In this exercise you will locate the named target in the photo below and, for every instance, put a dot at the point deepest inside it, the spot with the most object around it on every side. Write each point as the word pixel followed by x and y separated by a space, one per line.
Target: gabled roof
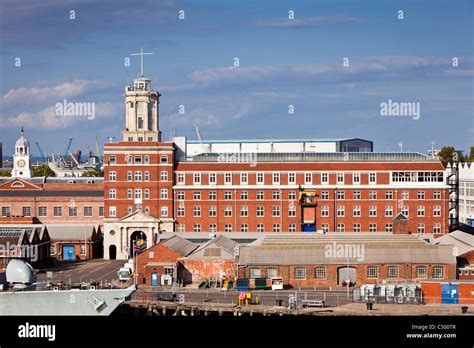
pixel 220 241
pixel 462 242
pixel 400 216
pixel 72 232
pixel 139 216
pixel 19 184
pixel 180 245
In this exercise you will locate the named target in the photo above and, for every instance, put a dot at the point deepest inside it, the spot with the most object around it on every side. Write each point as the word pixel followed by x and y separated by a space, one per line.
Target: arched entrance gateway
pixel 137 242
pixel 112 252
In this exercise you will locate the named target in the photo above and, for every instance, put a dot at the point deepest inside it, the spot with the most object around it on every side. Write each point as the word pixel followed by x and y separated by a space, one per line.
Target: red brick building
pixel 448 292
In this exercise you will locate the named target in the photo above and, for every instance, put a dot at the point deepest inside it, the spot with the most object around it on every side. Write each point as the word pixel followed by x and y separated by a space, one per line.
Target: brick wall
pixel 195 270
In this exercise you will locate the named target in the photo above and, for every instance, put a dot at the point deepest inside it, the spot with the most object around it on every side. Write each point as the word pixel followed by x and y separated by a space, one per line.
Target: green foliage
pixel 93 173
pixel 5 173
pixel 43 170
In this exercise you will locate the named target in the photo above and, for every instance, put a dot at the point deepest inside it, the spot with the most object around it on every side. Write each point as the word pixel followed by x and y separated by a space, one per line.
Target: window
pixel 212 211
pixel 138 176
pixel 372 272
pixel 324 211
pixel 308 178
pixel 260 228
pixel 389 228
pixel 420 210
pixel 42 211
pixel 128 159
pixel 112 211
pixel 325 228
pixel 340 178
pixel 180 178
pixel 255 272
pixel 212 178
pixel 340 228
pixel 112 194
pixel 276 210
pixel 147 194
pixel 291 178
pixel 388 195
pixel 356 227
pixel 112 176
pixel 392 272
pixel 388 210
pixel 181 227
pixel 212 228
pixel 276 228
pixel 244 195
pixel 147 176
pixel 437 210
pixel 5 211
pixel 147 210
pixel 260 195
pixel 197 178
pixel 82 249
pixel 300 273
pixel 324 195
pixel 197 196
pixel 292 228
pixel 26 211
pixel 163 176
pixel 88 211
pixel 129 176
pixel 163 194
pixel 372 227
pixel 292 195
pixel 138 193
pixel 244 178
pixel 340 211
pixel 356 195
pixel 228 211
pixel 163 159
pixel 146 159
pixel 138 159
pixel 320 272
pixel 405 195
pixel 437 195
pixel 421 272
pixel 197 228
pixel 340 195
pixel 372 178
pixel 406 210
pixel 112 160
pixel 438 272
pixel 324 178
pixel 420 228
pixel 212 195
pixel 437 228
pixel 276 195
pixel 244 228
pixel 228 195
pixel 272 272
pixel 276 178
pixel 57 211
pixel 129 210
pixel 228 228
pixel 244 211
pixel 356 211
pixel 421 195
pixel 180 211
pixel 356 178
pixel 260 178
pixel 164 211
pixel 101 211
pixel 291 211
pixel 197 211
pixel 372 195
pixel 372 210
pixel 228 178
pixel 180 195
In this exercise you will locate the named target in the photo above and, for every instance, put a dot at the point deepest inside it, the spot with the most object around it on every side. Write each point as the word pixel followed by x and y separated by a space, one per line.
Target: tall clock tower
pixel 21 158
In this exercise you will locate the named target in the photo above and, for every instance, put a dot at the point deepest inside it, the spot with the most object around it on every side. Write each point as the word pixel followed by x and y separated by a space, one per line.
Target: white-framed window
pixel 228 178
pixel 101 211
pixel 373 195
pixel 129 209
pixel 260 178
pixel 138 159
pixel 180 195
pixel 164 211
pixel 372 178
pixel 57 211
pixel 112 176
pixel 356 227
pixel 197 178
pixel 405 195
pixel 244 195
pixel 372 227
pixel 163 176
pixel 276 210
pixel 42 211
pixel 244 211
pixel 26 211
pixel 392 272
pixel 388 210
pixel 180 211
pixel 300 273
pixel 146 159
pixel 72 211
pixel 212 178
pixel 212 228
pixel 340 178
pixel 260 228
pixel 181 227
pixel 244 178
pixel 437 195
pixel 138 193
pixel 112 194
pixel 372 210
pixel 163 159
pixel 260 211
pixel 272 272
pixel 437 210
pixel 356 178
pixel 388 227
pixel 438 272
pixel 255 272
pixel 112 160
pixel 356 212
pixel 197 228
pixel 406 211
pixel 197 211
pixel 260 196
pixel 276 178
pixel 324 178
pixel 212 211
pixel 320 272
pixel 420 195
pixel 138 176
pixel 291 178
pixel 228 211
pixel 292 195
pixel 146 176
pixel 276 228
pixel 308 178
pixel 420 210
pixel 147 193
pixel 420 228
pixel 244 228
pixel 356 195
pixel 324 195
pixel 129 159
pixel 129 176
pixel 197 196
pixel 228 228
pixel 421 272
pixel 112 211
pixel 292 211
pixel 180 178
pixel 324 211
pixel 164 193
pixel 325 228
pixel 437 228
pixel 388 195
pixel 276 195
pixel 340 228
pixel 340 195
pixel 212 195
pixel 228 195
pixel 340 211
pixel 372 272
pixel 292 228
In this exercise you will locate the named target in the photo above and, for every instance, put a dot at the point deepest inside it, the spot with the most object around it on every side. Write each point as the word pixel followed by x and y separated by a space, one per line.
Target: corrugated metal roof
pixel 180 245
pixel 71 232
pixel 222 242
pixel 461 242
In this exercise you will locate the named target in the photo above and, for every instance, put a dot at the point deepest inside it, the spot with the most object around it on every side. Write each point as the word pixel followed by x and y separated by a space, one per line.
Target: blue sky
pixel 282 62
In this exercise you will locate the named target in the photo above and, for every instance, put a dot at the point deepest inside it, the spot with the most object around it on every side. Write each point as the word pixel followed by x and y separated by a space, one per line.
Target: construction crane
pixel 68 147
pixel 97 149
pixel 41 151
pixel 73 158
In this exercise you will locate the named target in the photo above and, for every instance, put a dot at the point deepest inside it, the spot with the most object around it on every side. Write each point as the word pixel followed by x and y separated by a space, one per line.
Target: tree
pixel 43 170
pixel 93 173
pixel 5 173
pixel 449 154
pixel 471 155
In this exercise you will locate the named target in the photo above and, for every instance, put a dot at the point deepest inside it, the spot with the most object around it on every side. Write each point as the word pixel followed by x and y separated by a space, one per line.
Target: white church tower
pixel 141 109
pixel 21 158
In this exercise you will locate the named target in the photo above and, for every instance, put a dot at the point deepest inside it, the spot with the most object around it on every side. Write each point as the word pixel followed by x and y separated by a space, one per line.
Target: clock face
pixel 20 163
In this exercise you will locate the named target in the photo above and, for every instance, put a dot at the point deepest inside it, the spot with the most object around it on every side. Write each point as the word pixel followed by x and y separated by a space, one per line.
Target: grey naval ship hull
pixel 63 302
